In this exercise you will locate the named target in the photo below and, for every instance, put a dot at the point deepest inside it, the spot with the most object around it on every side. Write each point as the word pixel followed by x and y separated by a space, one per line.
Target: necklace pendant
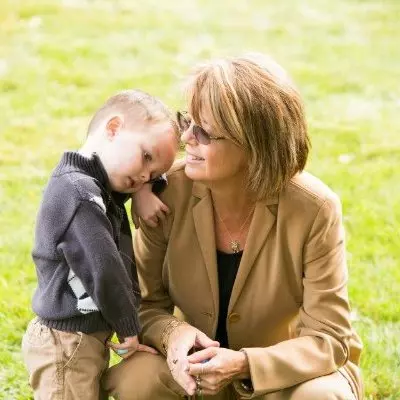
pixel 235 246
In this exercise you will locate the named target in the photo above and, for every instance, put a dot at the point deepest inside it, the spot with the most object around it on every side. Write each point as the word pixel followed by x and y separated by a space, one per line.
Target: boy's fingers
pixel 161 215
pixel 150 222
pixel 121 352
pixel 165 208
pixel 147 349
pixel 126 355
pixel 120 346
pixel 135 220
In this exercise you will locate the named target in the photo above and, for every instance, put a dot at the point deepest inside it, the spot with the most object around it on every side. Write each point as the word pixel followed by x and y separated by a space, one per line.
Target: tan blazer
pixel 289 307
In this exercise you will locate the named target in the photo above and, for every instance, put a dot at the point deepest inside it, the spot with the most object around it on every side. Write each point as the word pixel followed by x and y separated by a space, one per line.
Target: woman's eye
pixel 147 156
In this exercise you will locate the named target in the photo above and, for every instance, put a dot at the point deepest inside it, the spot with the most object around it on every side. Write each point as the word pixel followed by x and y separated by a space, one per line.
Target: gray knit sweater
pixel 83 252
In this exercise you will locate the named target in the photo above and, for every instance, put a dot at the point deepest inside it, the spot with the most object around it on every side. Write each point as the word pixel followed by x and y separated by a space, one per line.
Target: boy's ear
pixel 114 125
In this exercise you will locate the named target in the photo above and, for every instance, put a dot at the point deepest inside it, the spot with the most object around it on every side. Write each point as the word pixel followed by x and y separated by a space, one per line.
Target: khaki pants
pixel 146 377
pixel 64 365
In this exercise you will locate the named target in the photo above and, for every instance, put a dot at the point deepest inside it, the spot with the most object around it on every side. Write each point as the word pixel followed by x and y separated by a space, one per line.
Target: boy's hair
pixel 133 105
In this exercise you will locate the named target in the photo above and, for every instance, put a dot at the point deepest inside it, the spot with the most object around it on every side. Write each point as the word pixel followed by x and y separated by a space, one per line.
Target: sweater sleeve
pixel 92 254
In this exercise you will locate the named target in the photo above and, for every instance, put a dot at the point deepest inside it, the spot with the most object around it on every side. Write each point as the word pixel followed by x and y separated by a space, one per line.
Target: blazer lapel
pixel 203 217
pixel 261 224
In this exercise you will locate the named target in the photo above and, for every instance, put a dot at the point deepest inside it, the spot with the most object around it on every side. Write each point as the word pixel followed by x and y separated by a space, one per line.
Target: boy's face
pixel 134 156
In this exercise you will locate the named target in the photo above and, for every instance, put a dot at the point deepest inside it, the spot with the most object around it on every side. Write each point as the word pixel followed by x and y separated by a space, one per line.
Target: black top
pixel 83 253
pixel 228 265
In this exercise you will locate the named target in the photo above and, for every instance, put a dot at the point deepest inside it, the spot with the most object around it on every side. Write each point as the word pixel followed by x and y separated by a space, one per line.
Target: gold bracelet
pixel 166 333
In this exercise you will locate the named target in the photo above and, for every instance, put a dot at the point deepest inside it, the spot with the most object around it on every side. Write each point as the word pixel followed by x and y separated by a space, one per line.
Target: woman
pixel 251 258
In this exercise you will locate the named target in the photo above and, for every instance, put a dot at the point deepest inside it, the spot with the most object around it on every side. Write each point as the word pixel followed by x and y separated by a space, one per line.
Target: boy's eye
pixel 147 156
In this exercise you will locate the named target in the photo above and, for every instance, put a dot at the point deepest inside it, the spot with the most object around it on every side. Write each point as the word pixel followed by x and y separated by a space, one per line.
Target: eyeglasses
pixel 185 121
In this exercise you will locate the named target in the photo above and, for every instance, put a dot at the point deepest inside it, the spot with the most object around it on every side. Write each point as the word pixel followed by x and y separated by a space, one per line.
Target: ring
pixel 198 385
pixel 120 352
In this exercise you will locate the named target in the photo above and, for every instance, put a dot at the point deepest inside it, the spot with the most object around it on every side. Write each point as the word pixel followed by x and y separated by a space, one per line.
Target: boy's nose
pixel 145 176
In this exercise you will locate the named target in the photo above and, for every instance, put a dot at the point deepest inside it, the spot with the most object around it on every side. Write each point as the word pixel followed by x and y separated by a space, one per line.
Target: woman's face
pixel 218 161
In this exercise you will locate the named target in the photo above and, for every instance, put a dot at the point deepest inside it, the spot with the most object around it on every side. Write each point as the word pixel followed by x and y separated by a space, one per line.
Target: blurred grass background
pixel 60 59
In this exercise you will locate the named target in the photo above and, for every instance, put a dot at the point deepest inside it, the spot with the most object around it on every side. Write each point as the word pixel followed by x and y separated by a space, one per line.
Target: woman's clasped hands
pixel 206 371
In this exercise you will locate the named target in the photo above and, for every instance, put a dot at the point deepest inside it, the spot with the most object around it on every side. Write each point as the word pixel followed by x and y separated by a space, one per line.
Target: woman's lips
pixel 193 159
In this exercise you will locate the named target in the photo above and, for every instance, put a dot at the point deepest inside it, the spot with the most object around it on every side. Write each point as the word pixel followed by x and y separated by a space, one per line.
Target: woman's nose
pixel 187 137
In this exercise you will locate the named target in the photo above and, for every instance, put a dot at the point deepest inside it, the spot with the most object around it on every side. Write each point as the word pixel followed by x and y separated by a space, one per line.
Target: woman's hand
pixel 182 340
pixel 147 206
pixel 217 368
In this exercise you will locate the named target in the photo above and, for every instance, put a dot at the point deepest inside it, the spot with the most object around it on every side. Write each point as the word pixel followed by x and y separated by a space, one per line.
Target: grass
pixel 60 59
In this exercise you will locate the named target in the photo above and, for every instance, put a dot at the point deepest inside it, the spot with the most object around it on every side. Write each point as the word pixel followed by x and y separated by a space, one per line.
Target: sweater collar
pixel 72 160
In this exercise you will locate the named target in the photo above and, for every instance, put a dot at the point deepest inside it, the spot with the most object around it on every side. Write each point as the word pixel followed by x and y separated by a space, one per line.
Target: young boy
pixel 87 281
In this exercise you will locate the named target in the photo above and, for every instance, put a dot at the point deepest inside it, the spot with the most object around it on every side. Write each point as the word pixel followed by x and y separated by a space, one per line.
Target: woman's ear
pixel 113 126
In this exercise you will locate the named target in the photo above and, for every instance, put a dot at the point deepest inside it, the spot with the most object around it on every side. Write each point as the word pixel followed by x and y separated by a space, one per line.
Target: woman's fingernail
pixel 121 351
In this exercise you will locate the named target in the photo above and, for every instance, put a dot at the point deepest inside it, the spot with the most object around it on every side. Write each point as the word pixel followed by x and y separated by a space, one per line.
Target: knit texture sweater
pixel 83 253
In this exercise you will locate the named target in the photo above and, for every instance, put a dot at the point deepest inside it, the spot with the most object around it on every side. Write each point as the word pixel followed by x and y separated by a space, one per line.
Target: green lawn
pixel 60 59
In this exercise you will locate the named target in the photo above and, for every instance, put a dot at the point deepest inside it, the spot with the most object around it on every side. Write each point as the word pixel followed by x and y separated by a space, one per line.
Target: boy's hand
pixel 128 346
pixel 147 206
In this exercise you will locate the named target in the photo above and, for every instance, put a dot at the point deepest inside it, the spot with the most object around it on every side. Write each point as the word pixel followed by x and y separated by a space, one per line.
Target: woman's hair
pixel 252 101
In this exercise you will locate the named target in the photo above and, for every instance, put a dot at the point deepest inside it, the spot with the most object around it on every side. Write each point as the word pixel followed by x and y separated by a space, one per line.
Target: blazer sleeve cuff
pixel 257 374
pixel 242 388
